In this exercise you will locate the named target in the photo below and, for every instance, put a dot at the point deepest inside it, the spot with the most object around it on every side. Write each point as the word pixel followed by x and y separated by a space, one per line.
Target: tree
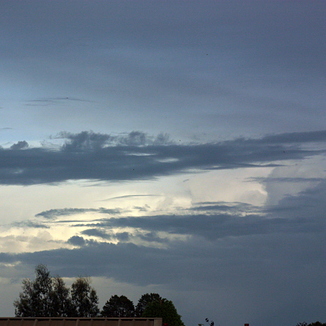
pixel 143 302
pixel 165 309
pixel 35 300
pixel 61 304
pixel 118 306
pixel 23 305
pixel 84 298
pixel 48 296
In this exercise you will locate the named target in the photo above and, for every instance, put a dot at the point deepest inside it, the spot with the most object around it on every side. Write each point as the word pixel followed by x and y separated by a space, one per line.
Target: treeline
pixel 48 296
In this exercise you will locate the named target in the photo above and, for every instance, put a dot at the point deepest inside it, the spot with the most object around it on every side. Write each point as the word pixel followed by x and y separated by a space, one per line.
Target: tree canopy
pixel 118 306
pixel 40 298
pixel 84 298
pixel 48 296
pixel 165 309
pixel 144 301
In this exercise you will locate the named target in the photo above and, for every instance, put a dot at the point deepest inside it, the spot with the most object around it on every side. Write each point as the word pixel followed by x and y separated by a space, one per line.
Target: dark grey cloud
pixel 100 233
pixel 88 155
pixel 215 226
pixel 230 208
pixel 152 237
pixel 97 233
pixel 272 261
pixel 77 240
pixel 303 213
pixel 30 224
pixel 122 236
pixel 293 137
pixel 285 179
pixel 310 205
pixel 20 145
pixel 247 266
pixel 94 141
pixel 54 213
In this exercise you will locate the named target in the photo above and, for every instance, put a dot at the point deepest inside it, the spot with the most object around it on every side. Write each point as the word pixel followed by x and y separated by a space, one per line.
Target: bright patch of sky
pixel 171 147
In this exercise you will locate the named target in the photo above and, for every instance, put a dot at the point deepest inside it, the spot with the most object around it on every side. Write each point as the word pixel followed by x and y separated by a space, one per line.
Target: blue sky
pixel 175 147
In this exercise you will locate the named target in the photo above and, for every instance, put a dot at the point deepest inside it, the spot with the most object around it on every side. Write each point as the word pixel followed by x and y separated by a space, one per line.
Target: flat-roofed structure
pixel 82 321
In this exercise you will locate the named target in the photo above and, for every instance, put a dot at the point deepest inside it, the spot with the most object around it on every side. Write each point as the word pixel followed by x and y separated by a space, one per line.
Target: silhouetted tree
pixel 165 309
pixel 48 296
pixel 35 300
pixel 144 301
pixel 84 298
pixel 61 305
pixel 118 306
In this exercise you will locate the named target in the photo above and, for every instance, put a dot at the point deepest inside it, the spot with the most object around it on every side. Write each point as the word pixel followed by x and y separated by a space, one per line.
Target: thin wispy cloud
pixel 131 196
pixel 54 101
pixel 55 213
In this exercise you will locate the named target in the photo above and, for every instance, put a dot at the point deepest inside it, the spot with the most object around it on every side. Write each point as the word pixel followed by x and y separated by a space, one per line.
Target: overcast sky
pixel 175 147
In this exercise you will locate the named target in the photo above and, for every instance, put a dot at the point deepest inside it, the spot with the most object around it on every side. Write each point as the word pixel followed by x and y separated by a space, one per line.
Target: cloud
pixel 213 226
pixel 30 224
pixel 152 237
pixel 77 241
pixel 54 101
pixel 131 196
pixel 97 233
pixel 54 213
pixel 285 179
pixel 299 214
pixel 145 265
pixel 20 145
pixel 309 204
pixel 123 236
pixel 103 157
pixel 231 252
pixel 85 140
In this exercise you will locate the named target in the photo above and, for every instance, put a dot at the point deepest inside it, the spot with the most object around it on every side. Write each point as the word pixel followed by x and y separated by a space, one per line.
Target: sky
pixel 175 147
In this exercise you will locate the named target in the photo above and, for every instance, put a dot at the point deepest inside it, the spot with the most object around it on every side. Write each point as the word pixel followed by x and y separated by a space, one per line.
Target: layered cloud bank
pixel 270 252
pixel 109 158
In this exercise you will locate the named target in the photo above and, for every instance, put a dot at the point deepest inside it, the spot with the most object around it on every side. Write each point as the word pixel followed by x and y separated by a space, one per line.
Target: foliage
pixel 35 300
pixel 165 309
pixel 48 296
pixel 61 305
pixel 143 302
pixel 118 306
pixel 84 298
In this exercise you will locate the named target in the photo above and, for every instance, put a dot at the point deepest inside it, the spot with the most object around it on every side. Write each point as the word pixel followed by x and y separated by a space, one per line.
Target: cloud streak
pixel 103 157
pixel 54 213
